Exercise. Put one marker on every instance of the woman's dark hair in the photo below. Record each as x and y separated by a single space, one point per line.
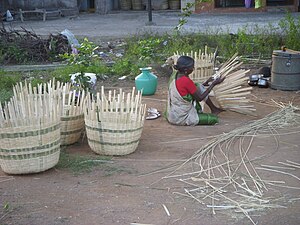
184 63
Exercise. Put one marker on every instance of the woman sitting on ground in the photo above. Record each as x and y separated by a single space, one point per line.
184 96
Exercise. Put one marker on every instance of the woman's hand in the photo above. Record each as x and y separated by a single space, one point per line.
218 80
211 79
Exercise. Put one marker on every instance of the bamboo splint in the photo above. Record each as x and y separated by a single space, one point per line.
231 94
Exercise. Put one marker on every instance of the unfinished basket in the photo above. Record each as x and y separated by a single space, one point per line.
231 94
114 125
30 133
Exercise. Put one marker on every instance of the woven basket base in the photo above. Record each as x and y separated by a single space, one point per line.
104 149
33 165
70 139
30 149
112 141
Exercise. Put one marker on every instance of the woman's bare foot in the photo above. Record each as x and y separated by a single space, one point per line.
217 111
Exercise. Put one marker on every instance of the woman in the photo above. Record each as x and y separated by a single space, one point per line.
184 96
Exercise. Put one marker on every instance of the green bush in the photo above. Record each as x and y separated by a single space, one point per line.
290 31
6 85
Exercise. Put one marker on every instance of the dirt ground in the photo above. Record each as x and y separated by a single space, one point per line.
135 193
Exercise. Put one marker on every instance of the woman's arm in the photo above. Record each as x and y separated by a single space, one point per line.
198 96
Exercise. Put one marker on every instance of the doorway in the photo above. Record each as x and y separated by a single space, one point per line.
87 5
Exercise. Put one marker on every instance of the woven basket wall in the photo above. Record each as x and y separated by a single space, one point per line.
203 71
204 66
32 149
112 138
71 128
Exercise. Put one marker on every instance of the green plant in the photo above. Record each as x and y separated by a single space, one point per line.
6 84
125 67
5 95
6 206
82 57
148 48
79 164
290 27
186 12
10 53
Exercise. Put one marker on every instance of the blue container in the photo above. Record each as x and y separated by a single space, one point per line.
146 81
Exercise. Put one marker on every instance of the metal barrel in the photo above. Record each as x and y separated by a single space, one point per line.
285 72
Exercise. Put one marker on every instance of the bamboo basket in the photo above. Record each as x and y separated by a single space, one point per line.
30 132
114 125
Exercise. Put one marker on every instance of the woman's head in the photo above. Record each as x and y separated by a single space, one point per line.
185 64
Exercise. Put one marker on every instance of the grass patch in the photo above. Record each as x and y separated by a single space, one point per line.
150 49
79 164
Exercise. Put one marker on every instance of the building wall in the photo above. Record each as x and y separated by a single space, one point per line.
103 6
211 7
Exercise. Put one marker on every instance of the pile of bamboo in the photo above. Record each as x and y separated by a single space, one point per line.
231 94
30 131
114 124
222 175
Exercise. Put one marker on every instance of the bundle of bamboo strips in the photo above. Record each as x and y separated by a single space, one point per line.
114 124
30 131
231 94
223 176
